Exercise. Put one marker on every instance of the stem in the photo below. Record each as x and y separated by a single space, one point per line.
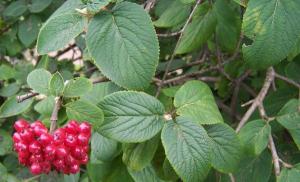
54 114
24 97
274 156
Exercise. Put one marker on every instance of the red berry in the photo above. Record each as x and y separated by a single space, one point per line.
77 152
35 147
85 149
23 160
59 136
21 146
72 127
27 135
36 123
35 168
17 137
84 158
83 139
61 152
39 130
45 139
36 158
71 140
85 128
70 160
24 154
46 166
59 164
74 168
20 125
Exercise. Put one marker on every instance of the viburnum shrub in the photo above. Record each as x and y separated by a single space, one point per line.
64 150
149 90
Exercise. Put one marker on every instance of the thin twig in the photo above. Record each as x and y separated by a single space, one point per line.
26 96
232 179
259 98
54 115
171 34
32 178
287 80
285 164
149 4
274 155
100 80
177 44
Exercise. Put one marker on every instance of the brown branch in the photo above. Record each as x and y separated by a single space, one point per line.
169 34
274 156
26 96
54 115
70 47
287 80
149 4
259 98
100 80
177 44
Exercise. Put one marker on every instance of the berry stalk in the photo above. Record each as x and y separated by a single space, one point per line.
54 114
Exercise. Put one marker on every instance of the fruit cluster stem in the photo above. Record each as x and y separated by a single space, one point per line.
54 114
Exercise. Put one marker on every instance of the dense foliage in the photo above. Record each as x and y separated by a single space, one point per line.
175 90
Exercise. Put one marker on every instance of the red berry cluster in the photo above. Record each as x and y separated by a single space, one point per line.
64 150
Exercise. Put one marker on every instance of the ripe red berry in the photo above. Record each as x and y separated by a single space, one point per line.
45 139
77 152
59 136
35 168
16 137
85 128
36 158
24 154
74 168
59 164
27 135
83 139
71 140
61 152
21 146
35 147
23 160
46 166
20 125
84 158
72 127
39 130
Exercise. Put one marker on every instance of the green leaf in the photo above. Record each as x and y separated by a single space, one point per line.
7 72
99 91
289 117
45 106
273 23
5 142
29 29
119 173
226 147
199 30
175 14
39 80
64 25
292 70
124 45
15 9
131 116
187 148
196 101
77 87
11 107
295 51
187 1
147 174
256 169
242 2
228 25
56 84
255 136
289 175
137 156
9 90
71 178
39 5
84 111
103 149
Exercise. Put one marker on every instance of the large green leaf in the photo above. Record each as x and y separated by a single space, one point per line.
9 90
290 175
7 72
176 13
137 156
273 23
131 116
196 101
85 111
64 25
56 84
124 45
39 5
256 169
226 147
148 174
11 107
29 29
39 80
199 30
187 148
77 87
289 117
103 149
45 106
255 136
15 9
